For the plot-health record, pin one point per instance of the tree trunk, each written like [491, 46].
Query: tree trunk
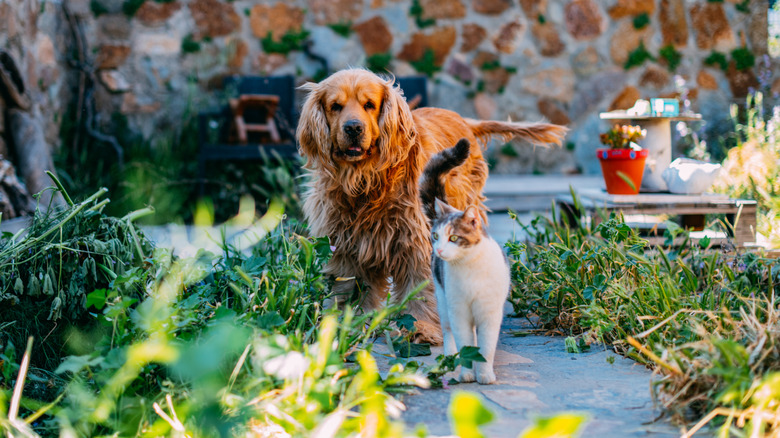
[33, 156]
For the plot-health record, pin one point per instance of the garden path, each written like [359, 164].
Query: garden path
[536, 376]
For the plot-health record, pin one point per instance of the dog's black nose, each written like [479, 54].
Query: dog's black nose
[353, 128]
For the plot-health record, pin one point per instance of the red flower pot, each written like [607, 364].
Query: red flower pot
[622, 169]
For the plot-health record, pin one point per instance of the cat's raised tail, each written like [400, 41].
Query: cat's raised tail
[431, 184]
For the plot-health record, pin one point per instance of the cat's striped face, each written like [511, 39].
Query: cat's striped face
[454, 231]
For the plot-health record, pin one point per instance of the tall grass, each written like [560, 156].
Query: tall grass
[704, 319]
[752, 168]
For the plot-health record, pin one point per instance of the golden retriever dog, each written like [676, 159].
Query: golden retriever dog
[365, 152]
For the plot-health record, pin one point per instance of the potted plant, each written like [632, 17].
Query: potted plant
[623, 161]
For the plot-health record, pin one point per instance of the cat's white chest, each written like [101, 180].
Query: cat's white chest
[483, 276]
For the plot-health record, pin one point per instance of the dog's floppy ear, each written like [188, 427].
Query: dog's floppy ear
[313, 131]
[396, 127]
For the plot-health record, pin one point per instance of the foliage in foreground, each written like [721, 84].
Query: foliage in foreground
[228, 344]
[705, 319]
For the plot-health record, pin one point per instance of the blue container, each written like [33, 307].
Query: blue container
[665, 107]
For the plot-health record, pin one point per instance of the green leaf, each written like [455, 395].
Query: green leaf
[74, 364]
[406, 321]
[270, 321]
[97, 298]
[468, 412]
[469, 354]
[405, 348]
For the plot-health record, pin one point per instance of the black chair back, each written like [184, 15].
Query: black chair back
[414, 86]
[282, 86]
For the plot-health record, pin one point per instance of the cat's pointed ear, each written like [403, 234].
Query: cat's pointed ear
[471, 214]
[441, 208]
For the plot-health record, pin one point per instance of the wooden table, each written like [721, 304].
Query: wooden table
[690, 208]
[658, 142]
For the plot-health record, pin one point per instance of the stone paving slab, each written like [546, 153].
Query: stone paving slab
[537, 377]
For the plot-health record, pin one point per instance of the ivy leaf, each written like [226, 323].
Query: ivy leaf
[406, 321]
[407, 349]
[468, 355]
[270, 321]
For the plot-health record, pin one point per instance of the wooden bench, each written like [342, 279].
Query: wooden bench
[691, 209]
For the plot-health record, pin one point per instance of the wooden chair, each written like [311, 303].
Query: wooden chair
[256, 124]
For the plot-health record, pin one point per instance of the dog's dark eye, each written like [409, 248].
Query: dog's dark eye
[369, 106]
[336, 107]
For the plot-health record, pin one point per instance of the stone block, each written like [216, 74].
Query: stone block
[625, 99]
[631, 8]
[654, 76]
[508, 36]
[548, 39]
[335, 11]
[674, 26]
[471, 36]
[491, 7]
[712, 27]
[442, 9]
[154, 14]
[626, 39]
[214, 18]
[375, 35]
[552, 111]
[584, 20]
[440, 41]
[111, 56]
[277, 20]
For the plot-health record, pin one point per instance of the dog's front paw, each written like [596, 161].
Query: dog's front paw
[466, 375]
[486, 376]
[427, 333]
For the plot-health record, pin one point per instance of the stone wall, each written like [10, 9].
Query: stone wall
[563, 60]
[31, 33]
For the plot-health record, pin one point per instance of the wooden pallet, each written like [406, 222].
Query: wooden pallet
[691, 209]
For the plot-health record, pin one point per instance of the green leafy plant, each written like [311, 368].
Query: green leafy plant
[426, 64]
[743, 58]
[621, 136]
[189, 45]
[379, 62]
[97, 8]
[638, 57]
[717, 59]
[743, 6]
[289, 42]
[344, 29]
[130, 7]
[641, 20]
[416, 11]
[692, 313]
[490, 65]
[671, 56]
[509, 151]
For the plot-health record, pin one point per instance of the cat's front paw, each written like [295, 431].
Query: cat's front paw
[466, 375]
[486, 376]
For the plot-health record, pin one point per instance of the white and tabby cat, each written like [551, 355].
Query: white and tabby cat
[470, 271]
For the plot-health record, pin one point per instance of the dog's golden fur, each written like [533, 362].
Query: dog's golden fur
[365, 151]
